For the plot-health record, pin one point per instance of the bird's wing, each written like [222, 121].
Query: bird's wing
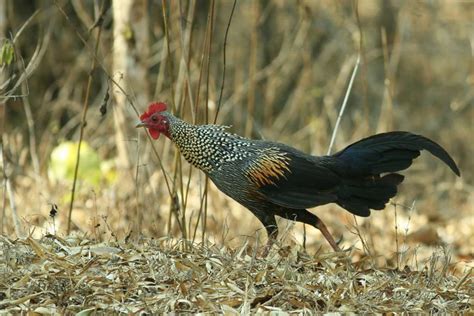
[291, 178]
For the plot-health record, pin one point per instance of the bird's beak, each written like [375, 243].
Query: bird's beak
[140, 124]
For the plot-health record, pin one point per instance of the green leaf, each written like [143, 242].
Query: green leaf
[7, 54]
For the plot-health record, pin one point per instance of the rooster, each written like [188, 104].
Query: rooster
[273, 179]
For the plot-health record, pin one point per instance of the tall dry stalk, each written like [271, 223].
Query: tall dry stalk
[85, 108]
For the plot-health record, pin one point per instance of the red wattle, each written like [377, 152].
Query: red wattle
[154, 133]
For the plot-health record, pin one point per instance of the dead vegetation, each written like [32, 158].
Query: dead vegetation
[286, 73]
[55, 275]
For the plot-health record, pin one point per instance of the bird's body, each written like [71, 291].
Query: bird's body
[271, 178]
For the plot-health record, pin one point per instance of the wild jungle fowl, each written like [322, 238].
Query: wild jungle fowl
[271, 179]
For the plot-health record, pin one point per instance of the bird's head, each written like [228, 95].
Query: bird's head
[155, 119]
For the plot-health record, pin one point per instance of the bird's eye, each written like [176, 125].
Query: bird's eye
[154, 118]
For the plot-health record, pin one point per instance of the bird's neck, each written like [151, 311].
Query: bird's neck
[206, 147]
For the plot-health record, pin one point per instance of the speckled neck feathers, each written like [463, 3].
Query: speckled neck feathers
[207, 147]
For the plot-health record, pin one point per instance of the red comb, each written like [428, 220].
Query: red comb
[153, 108]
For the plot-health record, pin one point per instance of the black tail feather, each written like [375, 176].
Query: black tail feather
[363, 186]
[359, 196]
[391, 152]
[394, 160]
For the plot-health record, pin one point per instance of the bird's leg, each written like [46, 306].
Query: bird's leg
[324, 230]
[272, 232]
[271, 227]
[306, 217]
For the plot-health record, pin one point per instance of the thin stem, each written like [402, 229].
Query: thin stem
[172, 191]
[211, 33]
[168, 59]
[201, 67]
[365, 89]
[16, 219]
[396, 238]
[206, 180]
[343, 107]
[138, 214]
[83, 124]
[252, 69]
[185, 36]
[224, 61]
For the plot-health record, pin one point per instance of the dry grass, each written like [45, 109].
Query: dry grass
[287, 68]
[55, 275]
